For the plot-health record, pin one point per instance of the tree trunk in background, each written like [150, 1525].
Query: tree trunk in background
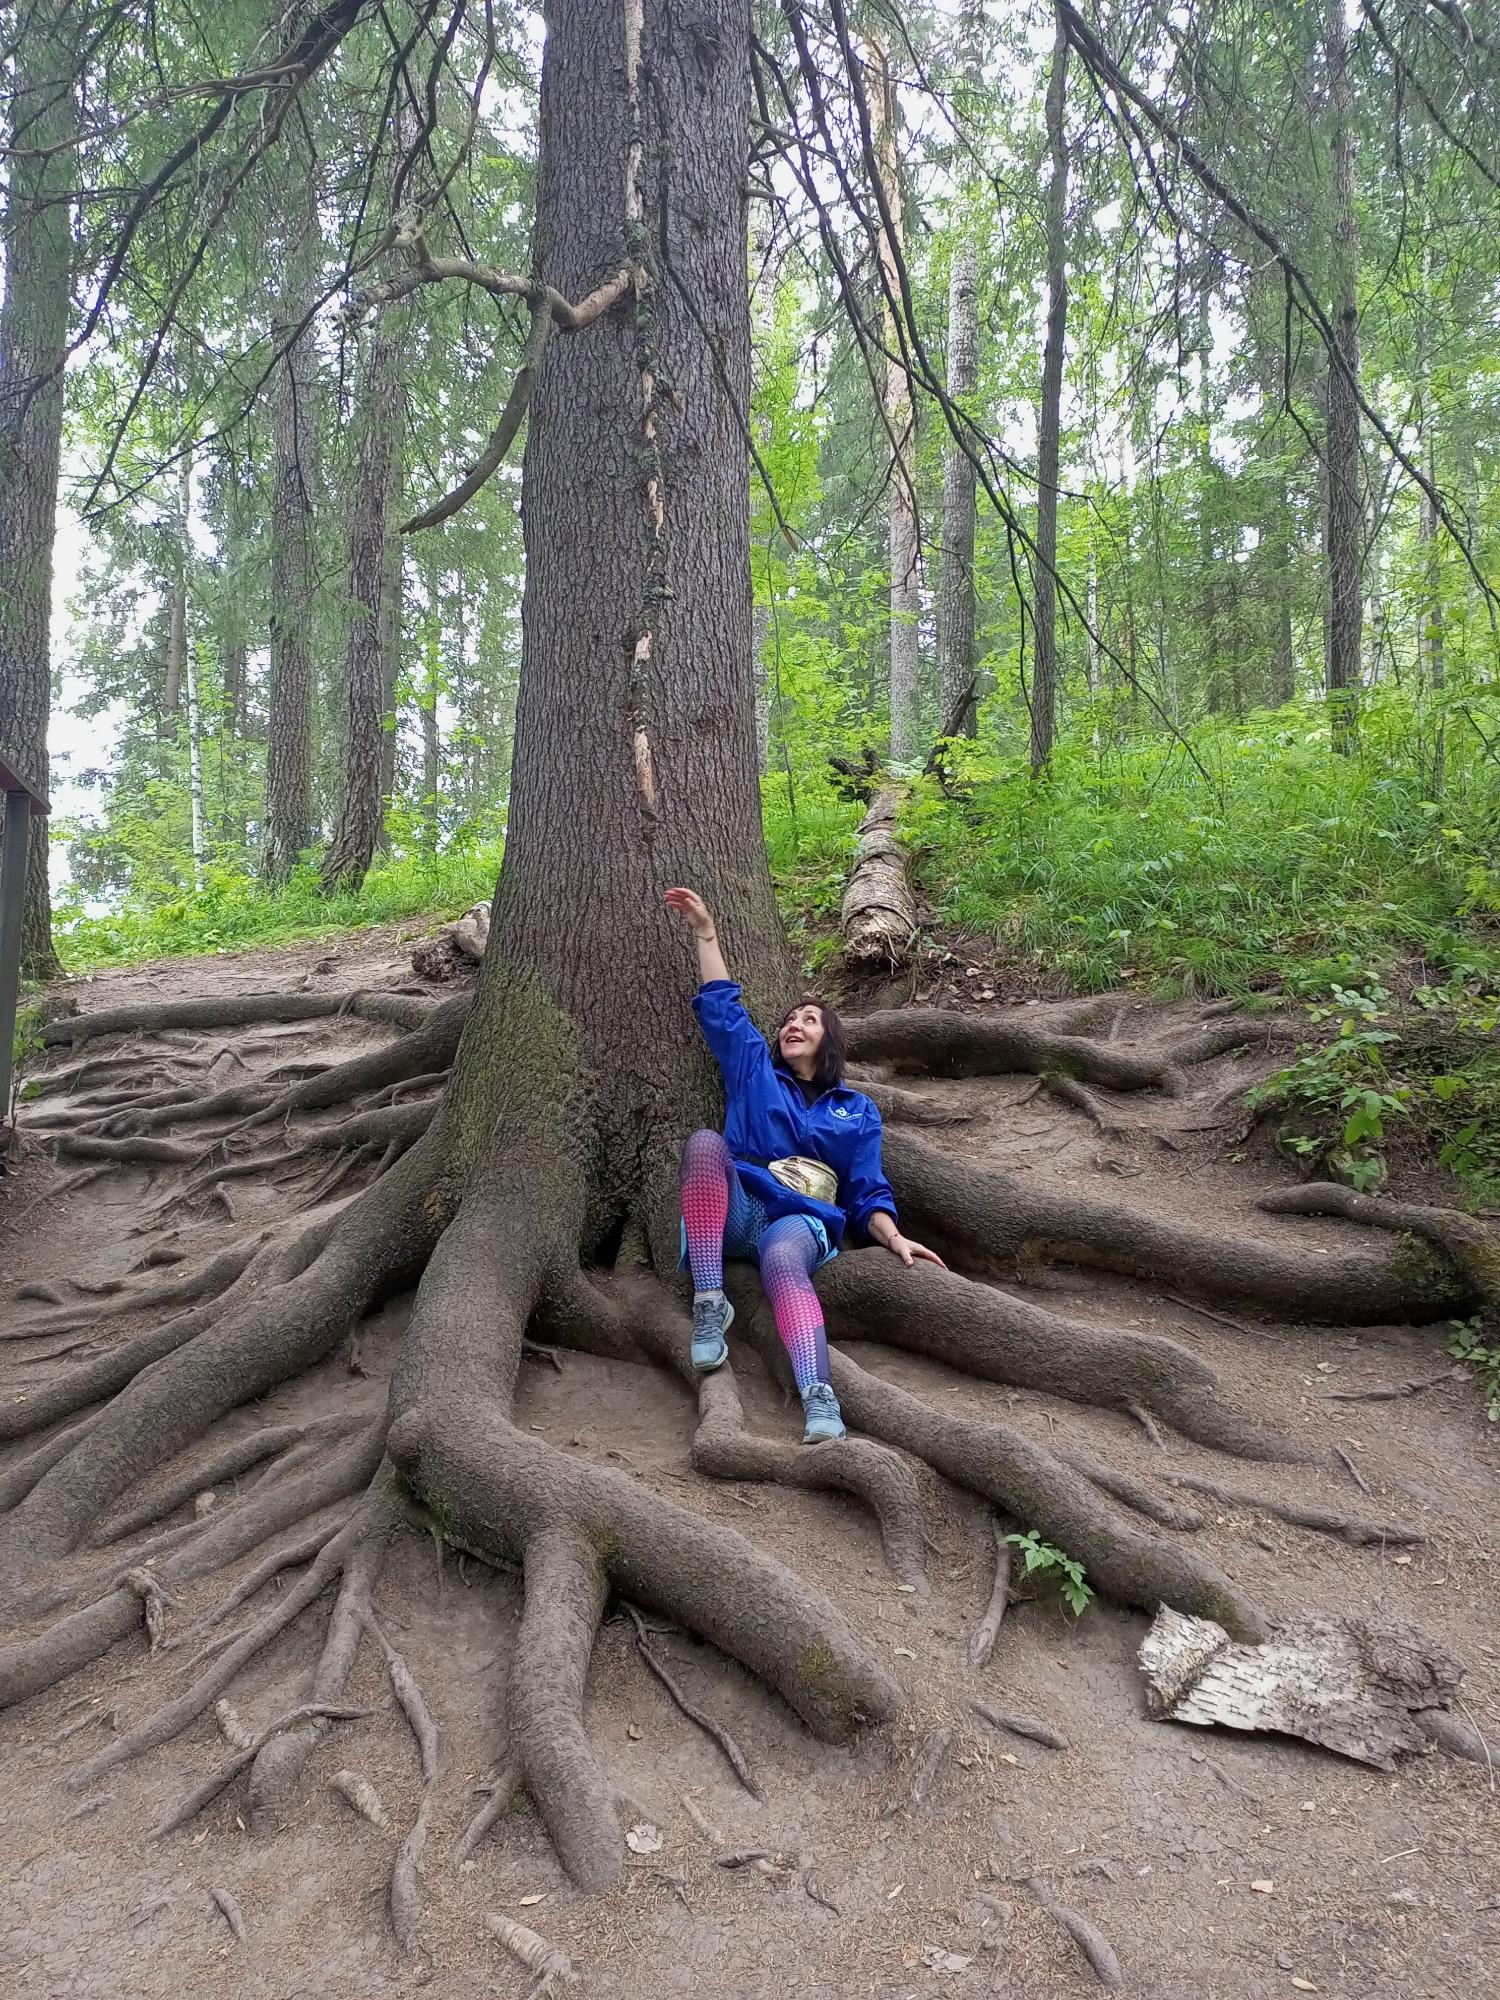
[392, 607]
[38, 269]
[195, 761]
[170, 712]
[956, 659]
[1433, 650]
[1344, 549]
[906, 594]
[289, 722]
[367, 677]
[1278, 540]
[957, 666]
[1049, 425]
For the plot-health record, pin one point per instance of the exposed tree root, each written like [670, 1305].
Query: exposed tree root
[1088, 1937]
[17, 1480]
[236, 1457]
[208, 1282]
[1348, 1527]
[283, 1760]
[236, 1010]
[327, 1277]
[931, 1756]
[428, 1045]
[1461, 1239]
[1029, 1726]
[502, 1796]
[581, 1530]
[1123, 1486]
[905, 1107]
[546, 1960]
[990, 1333]
[733, 1755]
[218, 1781]
[982, 1639]
[1040, 1490]
[231, 1912]
[175, 1715]
[28, 1665]
[361, 1795]
[1024, 1042]
[992, 1220]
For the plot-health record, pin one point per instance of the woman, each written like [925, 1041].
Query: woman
[797, 1164]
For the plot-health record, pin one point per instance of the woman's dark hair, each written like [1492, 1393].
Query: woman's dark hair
[828, 1063]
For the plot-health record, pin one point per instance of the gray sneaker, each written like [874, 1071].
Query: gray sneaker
[712, 1318]
[824, 1418]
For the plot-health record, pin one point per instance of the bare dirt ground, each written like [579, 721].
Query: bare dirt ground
[1381, 1884]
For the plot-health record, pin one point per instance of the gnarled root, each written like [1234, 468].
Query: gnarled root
[580, 1531]
[235, 1010]
[990, 1333]
[1463, 1241]
[1038, 1488]
[952, 1044]
[992, 1220]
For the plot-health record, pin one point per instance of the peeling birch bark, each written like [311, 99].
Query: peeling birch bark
[1345, 1683]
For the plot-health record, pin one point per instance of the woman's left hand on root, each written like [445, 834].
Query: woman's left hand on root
[911, 1252]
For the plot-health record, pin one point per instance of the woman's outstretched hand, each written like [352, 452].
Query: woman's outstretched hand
[695, 913]
[699, 918]
[911, 1252]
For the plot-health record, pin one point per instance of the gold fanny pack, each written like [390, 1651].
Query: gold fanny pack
[808, 1177]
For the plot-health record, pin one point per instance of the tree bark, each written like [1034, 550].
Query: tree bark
[955, 617]
[634, 763]
[177, 594]
[1049, 426]
[956, 659]
[368, 679]
[392, 607]
[900, 419]
[289, 722]
[38, 269]
[1345, 518]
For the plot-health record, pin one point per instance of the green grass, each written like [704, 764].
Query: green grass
[1286, 867]
[233, 913]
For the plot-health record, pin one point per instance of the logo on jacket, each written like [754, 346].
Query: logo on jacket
[841, 1111]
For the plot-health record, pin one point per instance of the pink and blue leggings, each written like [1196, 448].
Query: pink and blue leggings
[721, 1220]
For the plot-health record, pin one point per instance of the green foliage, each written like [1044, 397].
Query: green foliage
[27, 1040]
[1054, 1565]
[1275, 865]
[1439, 1073]
[1469, 1343]
[234, 913]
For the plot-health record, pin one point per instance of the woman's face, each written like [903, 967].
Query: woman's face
[801, 1034]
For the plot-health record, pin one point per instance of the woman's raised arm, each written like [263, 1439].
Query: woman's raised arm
[696, 914]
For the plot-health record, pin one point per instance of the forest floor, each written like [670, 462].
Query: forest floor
[1163, 1835]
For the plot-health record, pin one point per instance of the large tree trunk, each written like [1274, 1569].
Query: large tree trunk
[900, 424]
[1345, 517]
[38, 267]
[634, 763]
[367, 676]
[1049, 424]
[289, 721]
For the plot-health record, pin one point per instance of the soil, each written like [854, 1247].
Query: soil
[1381, 1883]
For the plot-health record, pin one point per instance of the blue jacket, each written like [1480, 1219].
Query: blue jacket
[766, 1118]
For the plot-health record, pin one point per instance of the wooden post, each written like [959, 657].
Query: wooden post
[21, 801]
